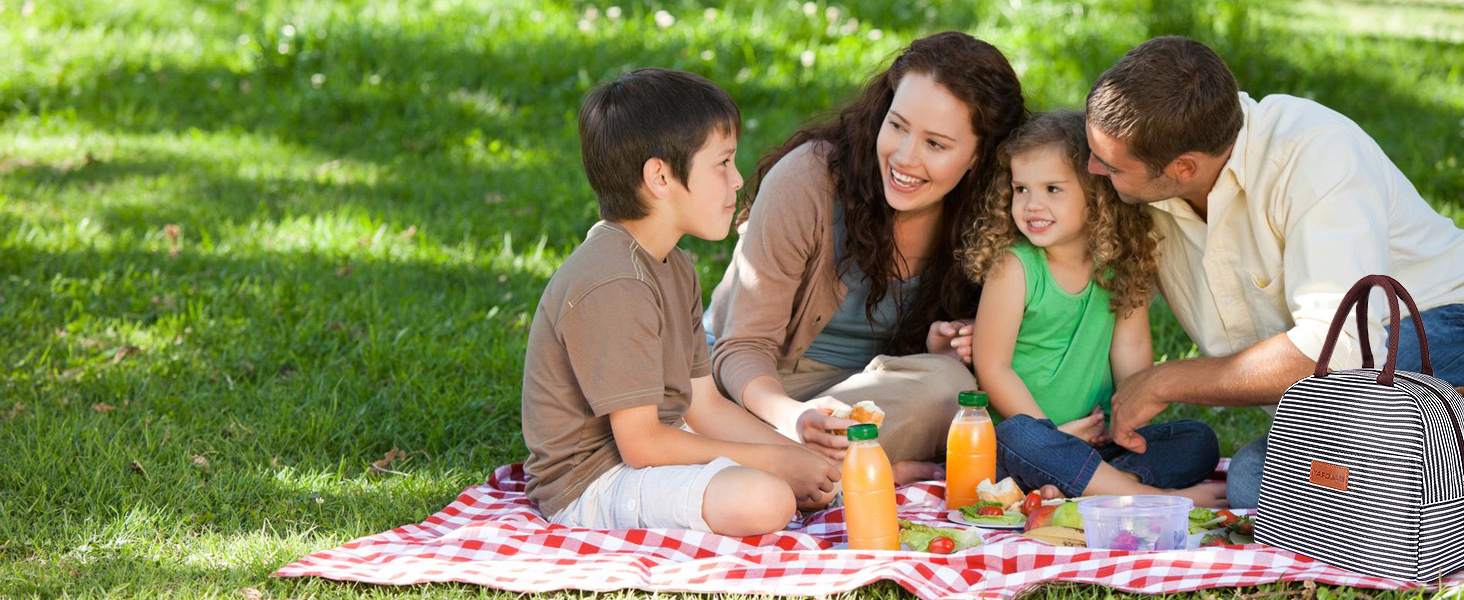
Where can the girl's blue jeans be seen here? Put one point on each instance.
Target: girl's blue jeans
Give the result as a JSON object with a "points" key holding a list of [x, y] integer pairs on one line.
{"points": [[1034, 453]]}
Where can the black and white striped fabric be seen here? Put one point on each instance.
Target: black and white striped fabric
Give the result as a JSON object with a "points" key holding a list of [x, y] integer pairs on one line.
{"points": [[1365, 467]]}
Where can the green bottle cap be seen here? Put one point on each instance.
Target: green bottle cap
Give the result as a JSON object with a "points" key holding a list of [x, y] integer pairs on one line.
{"points": [[863, 431], [972, 398]]}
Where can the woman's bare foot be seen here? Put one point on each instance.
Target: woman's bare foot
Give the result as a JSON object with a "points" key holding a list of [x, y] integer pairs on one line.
{"points": [[911, 471], [1205, 495]]}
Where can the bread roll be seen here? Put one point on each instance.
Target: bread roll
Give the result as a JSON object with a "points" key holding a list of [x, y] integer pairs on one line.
{"points": [[864, 412], [1004, 492]]}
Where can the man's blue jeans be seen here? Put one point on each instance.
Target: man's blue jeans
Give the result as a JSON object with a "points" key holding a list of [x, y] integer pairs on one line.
{"points": [[1445, 329], [1034, 453]]}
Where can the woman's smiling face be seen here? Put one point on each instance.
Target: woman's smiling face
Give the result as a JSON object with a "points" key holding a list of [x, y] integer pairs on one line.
{"points": [[925, 144]]}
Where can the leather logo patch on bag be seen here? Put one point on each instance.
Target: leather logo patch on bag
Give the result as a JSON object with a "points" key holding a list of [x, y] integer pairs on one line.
{"points": [[1329, 476]]}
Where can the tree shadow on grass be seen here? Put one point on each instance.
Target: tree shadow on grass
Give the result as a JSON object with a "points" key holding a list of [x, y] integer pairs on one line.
{"points": [[199, 193], [424, 356], [464, 138]]}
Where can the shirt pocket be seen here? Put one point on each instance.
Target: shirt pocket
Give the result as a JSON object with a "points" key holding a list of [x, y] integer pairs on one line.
{"points": [[1267, 299]]}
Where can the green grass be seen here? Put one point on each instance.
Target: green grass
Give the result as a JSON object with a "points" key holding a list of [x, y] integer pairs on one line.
{"points": [[287, 237]]}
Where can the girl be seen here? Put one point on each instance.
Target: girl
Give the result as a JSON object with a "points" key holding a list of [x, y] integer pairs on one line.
{"points": [[845, 270], [1067, 270]]}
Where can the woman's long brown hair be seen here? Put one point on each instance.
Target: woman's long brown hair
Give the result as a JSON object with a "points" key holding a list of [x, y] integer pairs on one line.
{"points": [[977, 74]]}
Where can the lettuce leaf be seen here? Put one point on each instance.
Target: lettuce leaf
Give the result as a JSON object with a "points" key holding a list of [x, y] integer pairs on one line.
{"points": [[1203, 519], [917, 537]]}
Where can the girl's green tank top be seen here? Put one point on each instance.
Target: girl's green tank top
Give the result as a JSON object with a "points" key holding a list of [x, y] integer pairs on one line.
{"points": [[1063, 344]]}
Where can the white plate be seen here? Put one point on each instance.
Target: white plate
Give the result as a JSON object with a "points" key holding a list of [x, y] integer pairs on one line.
{"points": [[955, 516]]}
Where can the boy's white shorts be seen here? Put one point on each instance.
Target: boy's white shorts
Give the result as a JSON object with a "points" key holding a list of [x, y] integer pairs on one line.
{"points": [[650, 498]]}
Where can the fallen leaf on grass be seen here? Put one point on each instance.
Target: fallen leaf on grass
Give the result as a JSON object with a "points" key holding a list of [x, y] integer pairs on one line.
{"points": [[382, 466], [173, 232], [103, 407], [345, 271], [15, 410], [199, 461], [123, 353], [137, 468], [251, 594], [407, 235]]}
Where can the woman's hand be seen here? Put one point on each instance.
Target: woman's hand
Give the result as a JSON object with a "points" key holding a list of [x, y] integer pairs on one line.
{"points": [[1089, 429], [813, 427], [951, 338]]}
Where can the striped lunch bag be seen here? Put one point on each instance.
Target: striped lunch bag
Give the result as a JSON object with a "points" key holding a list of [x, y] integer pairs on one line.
{"points": [[1365, 467]]}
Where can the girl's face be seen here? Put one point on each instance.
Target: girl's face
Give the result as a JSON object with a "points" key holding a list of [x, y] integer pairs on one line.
{"points": [[925, 145], [1048, 202]]}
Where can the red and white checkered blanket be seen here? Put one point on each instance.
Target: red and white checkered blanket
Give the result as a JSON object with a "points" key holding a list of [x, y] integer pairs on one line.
{"points": [[492, 535]]}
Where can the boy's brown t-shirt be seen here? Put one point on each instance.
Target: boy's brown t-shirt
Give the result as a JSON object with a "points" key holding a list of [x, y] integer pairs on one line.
{"points": [[615, 329]]}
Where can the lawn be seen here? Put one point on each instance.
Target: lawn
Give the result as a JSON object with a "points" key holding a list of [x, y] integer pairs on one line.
{"points": [[249, 247]]}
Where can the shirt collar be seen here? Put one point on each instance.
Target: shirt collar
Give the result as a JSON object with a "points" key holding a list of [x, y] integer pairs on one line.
{"points": [[1235, 166]]}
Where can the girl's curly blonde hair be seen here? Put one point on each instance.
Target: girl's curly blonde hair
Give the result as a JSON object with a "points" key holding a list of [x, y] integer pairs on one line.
{"points": [[1121, 237]]}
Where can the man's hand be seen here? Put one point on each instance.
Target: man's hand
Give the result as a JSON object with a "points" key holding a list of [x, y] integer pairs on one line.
{"points": [[1089, 429], [951, 338], [813, 427], [1137, 401], [814, 479]]}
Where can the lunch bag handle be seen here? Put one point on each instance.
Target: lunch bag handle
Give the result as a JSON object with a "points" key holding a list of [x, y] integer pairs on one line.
{"points": [[1358, 295]]}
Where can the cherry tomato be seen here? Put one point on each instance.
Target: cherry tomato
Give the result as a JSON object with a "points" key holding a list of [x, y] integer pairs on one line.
{"points": [[942, 545], [1246, 525], [1229, 517], [1212, 540], [1031, 502], [990, 511]]}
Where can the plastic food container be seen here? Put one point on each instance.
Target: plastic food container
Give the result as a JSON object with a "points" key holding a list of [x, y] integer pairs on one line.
{"points": [[1136, 522]]}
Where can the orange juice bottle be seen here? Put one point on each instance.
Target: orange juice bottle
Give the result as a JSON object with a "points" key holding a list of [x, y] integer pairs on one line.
{"points": [[970, 450], [869, 492]]}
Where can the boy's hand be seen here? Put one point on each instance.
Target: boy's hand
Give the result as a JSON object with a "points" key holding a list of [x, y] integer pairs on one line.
{"points": [[1089, 429], [814, 479], [951, 338], [815, 422]]}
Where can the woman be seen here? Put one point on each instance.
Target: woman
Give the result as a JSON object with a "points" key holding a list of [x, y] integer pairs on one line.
{"points": [[845, 278]]}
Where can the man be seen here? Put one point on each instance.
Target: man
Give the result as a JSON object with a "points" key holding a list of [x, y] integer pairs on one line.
{"points": [[1270, 212]]}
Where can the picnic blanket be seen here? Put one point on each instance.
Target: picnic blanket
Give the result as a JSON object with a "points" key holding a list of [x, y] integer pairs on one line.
{"points": [[492, 535]]}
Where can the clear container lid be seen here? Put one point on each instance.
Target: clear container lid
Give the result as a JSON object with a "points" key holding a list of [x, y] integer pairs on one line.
{"points": [[1107, 507]]}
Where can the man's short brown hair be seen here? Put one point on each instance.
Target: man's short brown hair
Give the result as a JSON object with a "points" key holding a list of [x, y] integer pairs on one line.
{"points": [[1168, 96], [645, 114]]}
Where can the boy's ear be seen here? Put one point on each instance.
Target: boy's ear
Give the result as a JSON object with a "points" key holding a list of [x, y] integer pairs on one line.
{"points": [[657, 178]]}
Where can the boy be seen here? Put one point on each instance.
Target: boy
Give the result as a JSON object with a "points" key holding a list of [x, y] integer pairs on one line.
{"points": [[617, 360]]}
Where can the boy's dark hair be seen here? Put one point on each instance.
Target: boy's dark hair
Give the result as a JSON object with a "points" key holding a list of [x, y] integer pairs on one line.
{"points": [[645, 114], [1168, 96]]}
